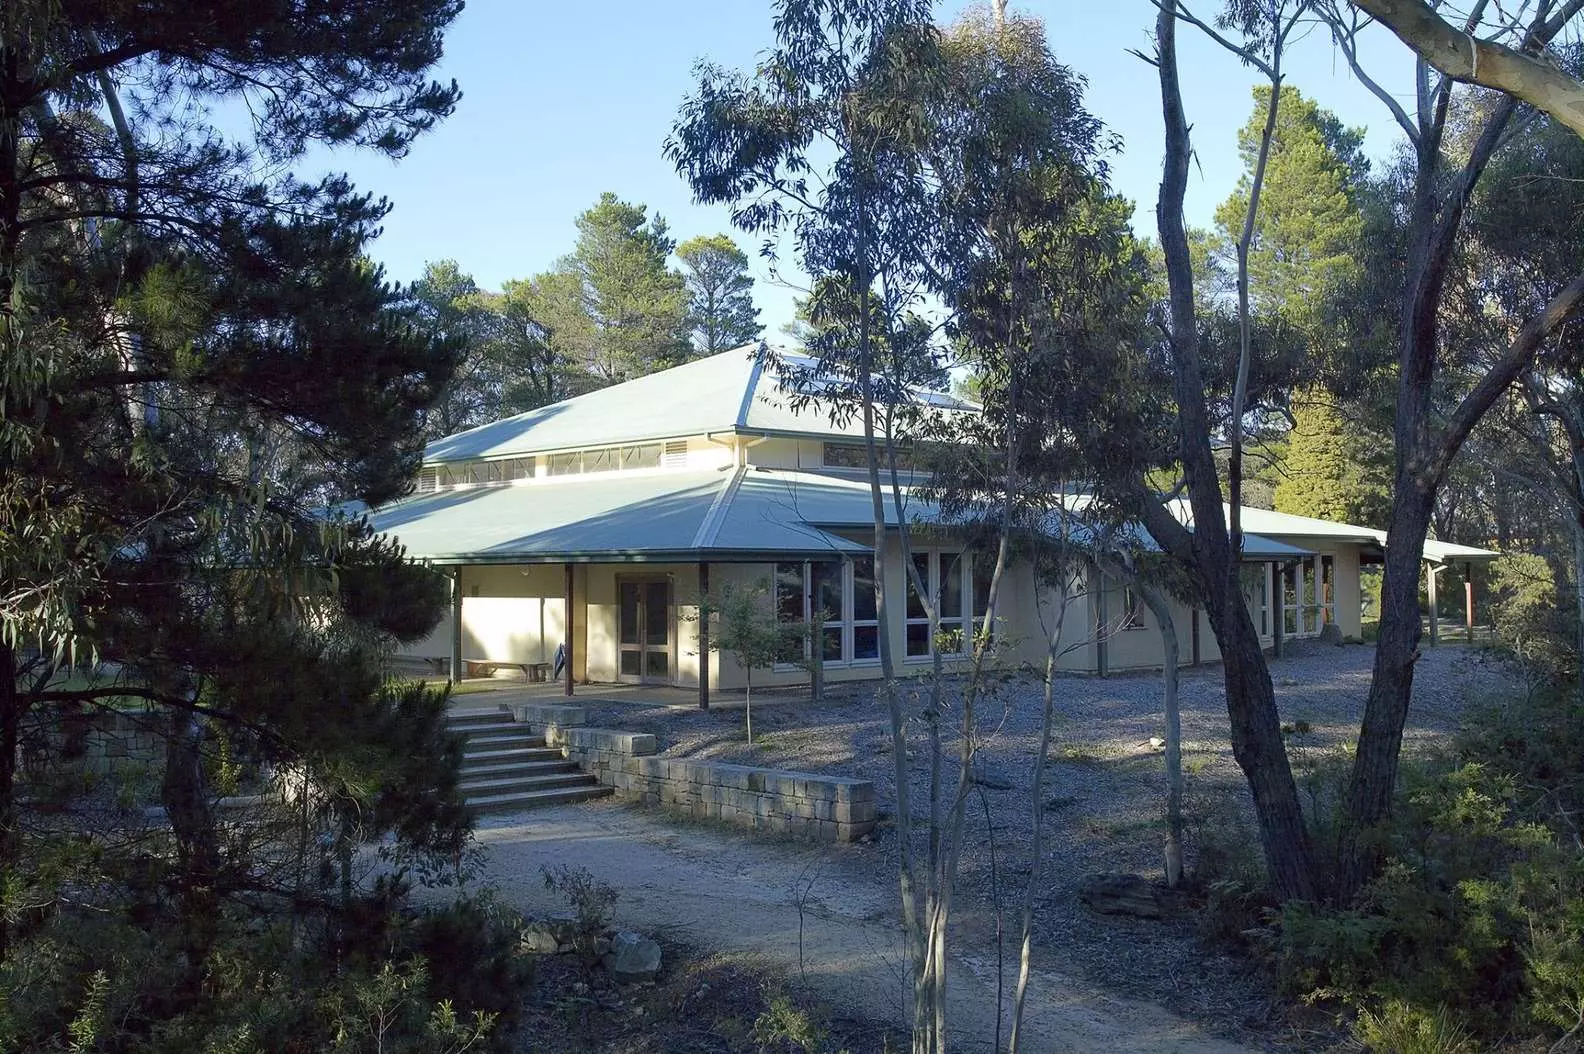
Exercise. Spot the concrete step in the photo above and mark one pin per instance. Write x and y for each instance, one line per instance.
(519, 768)
(472, 758)
(530, 799)
(481, 716)
(473, 789)
(497, 741)
(485, 728)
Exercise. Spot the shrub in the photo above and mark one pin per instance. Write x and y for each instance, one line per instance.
(1399, 1028)
(1481, 903)
(1529, 621)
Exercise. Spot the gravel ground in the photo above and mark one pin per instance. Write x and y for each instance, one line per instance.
(1105, 797)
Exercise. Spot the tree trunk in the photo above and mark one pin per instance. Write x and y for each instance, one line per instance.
(10, 728)
(1037, 848)
(1161, 608)
(1251, 701)
(1375, 766)
(192, 822)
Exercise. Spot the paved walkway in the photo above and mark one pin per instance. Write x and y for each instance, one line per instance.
(735, 894)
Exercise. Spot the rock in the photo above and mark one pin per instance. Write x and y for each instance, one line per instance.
(1120, 894)
(555, 935)
(1156, 742)
(992, 782)
(1331, 633)
(632, 957)
(536, 940)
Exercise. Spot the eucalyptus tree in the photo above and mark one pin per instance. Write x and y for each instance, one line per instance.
(820, 143)
(174, 304)
(1046, 291)
(448, 303)
(1444, 176)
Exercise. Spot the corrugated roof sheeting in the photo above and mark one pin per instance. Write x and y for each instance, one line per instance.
(665, 515)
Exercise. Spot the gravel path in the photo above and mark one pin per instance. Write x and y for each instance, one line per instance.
(1105, 798)
(822, 918)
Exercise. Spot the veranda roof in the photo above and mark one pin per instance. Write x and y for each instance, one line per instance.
(1285, 524)
(743, 514)
(664, 516)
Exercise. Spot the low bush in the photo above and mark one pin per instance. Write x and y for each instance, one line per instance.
(1474, 929)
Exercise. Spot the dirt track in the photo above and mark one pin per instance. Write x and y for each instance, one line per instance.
(732, 893)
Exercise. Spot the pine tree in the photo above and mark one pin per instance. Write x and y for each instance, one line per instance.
(1332, 471)
(196, 357)
(723, 315)
(638, 306)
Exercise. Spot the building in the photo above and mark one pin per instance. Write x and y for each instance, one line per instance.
(600, 520)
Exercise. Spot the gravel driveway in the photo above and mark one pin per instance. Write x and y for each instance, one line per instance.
(1105, 798)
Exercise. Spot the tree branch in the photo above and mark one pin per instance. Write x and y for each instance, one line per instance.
(1464, 57)
(1519, 354)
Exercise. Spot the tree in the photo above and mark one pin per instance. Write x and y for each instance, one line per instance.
(448, 304)
(1427, 437)
(542, 339)
(637, 305)
(720, 288)
(845, 82)
(1306, 232)
(1521, 72)
(179, 318)
(744, 625)
(1332, 469)
(1209, 553)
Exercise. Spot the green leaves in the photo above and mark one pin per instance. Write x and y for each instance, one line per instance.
(720, 289)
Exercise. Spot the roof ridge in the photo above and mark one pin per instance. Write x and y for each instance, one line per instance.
(710, 525)
(750, 390)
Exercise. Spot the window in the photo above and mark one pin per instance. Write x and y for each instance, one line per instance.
(825, 599)
(428, 480)
(942, 574)
(646, 455)
(855, 456)
(566, 464)
(845, 455)
(980, 571)
(1132, 609)
(791, 589)
(865, 624)
(841, 593)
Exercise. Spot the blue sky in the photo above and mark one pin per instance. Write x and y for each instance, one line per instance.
(562, 102)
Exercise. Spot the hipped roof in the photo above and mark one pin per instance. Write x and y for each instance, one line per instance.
(743, 515)
(734, 391)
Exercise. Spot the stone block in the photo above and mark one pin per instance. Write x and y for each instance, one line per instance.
(734, 776)
(592, 740)
(646, 768)
(854, 812)
(546, 715)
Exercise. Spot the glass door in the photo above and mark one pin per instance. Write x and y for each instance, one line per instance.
(644, 630)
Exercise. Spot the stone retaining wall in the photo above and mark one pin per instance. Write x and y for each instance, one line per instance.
(827, 808)
(104, 742)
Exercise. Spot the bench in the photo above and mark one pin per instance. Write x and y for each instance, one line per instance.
(532, 671)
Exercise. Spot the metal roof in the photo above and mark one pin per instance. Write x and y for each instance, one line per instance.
(729, 392)
(1287, 525)
(742, 514)
(616, 517)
